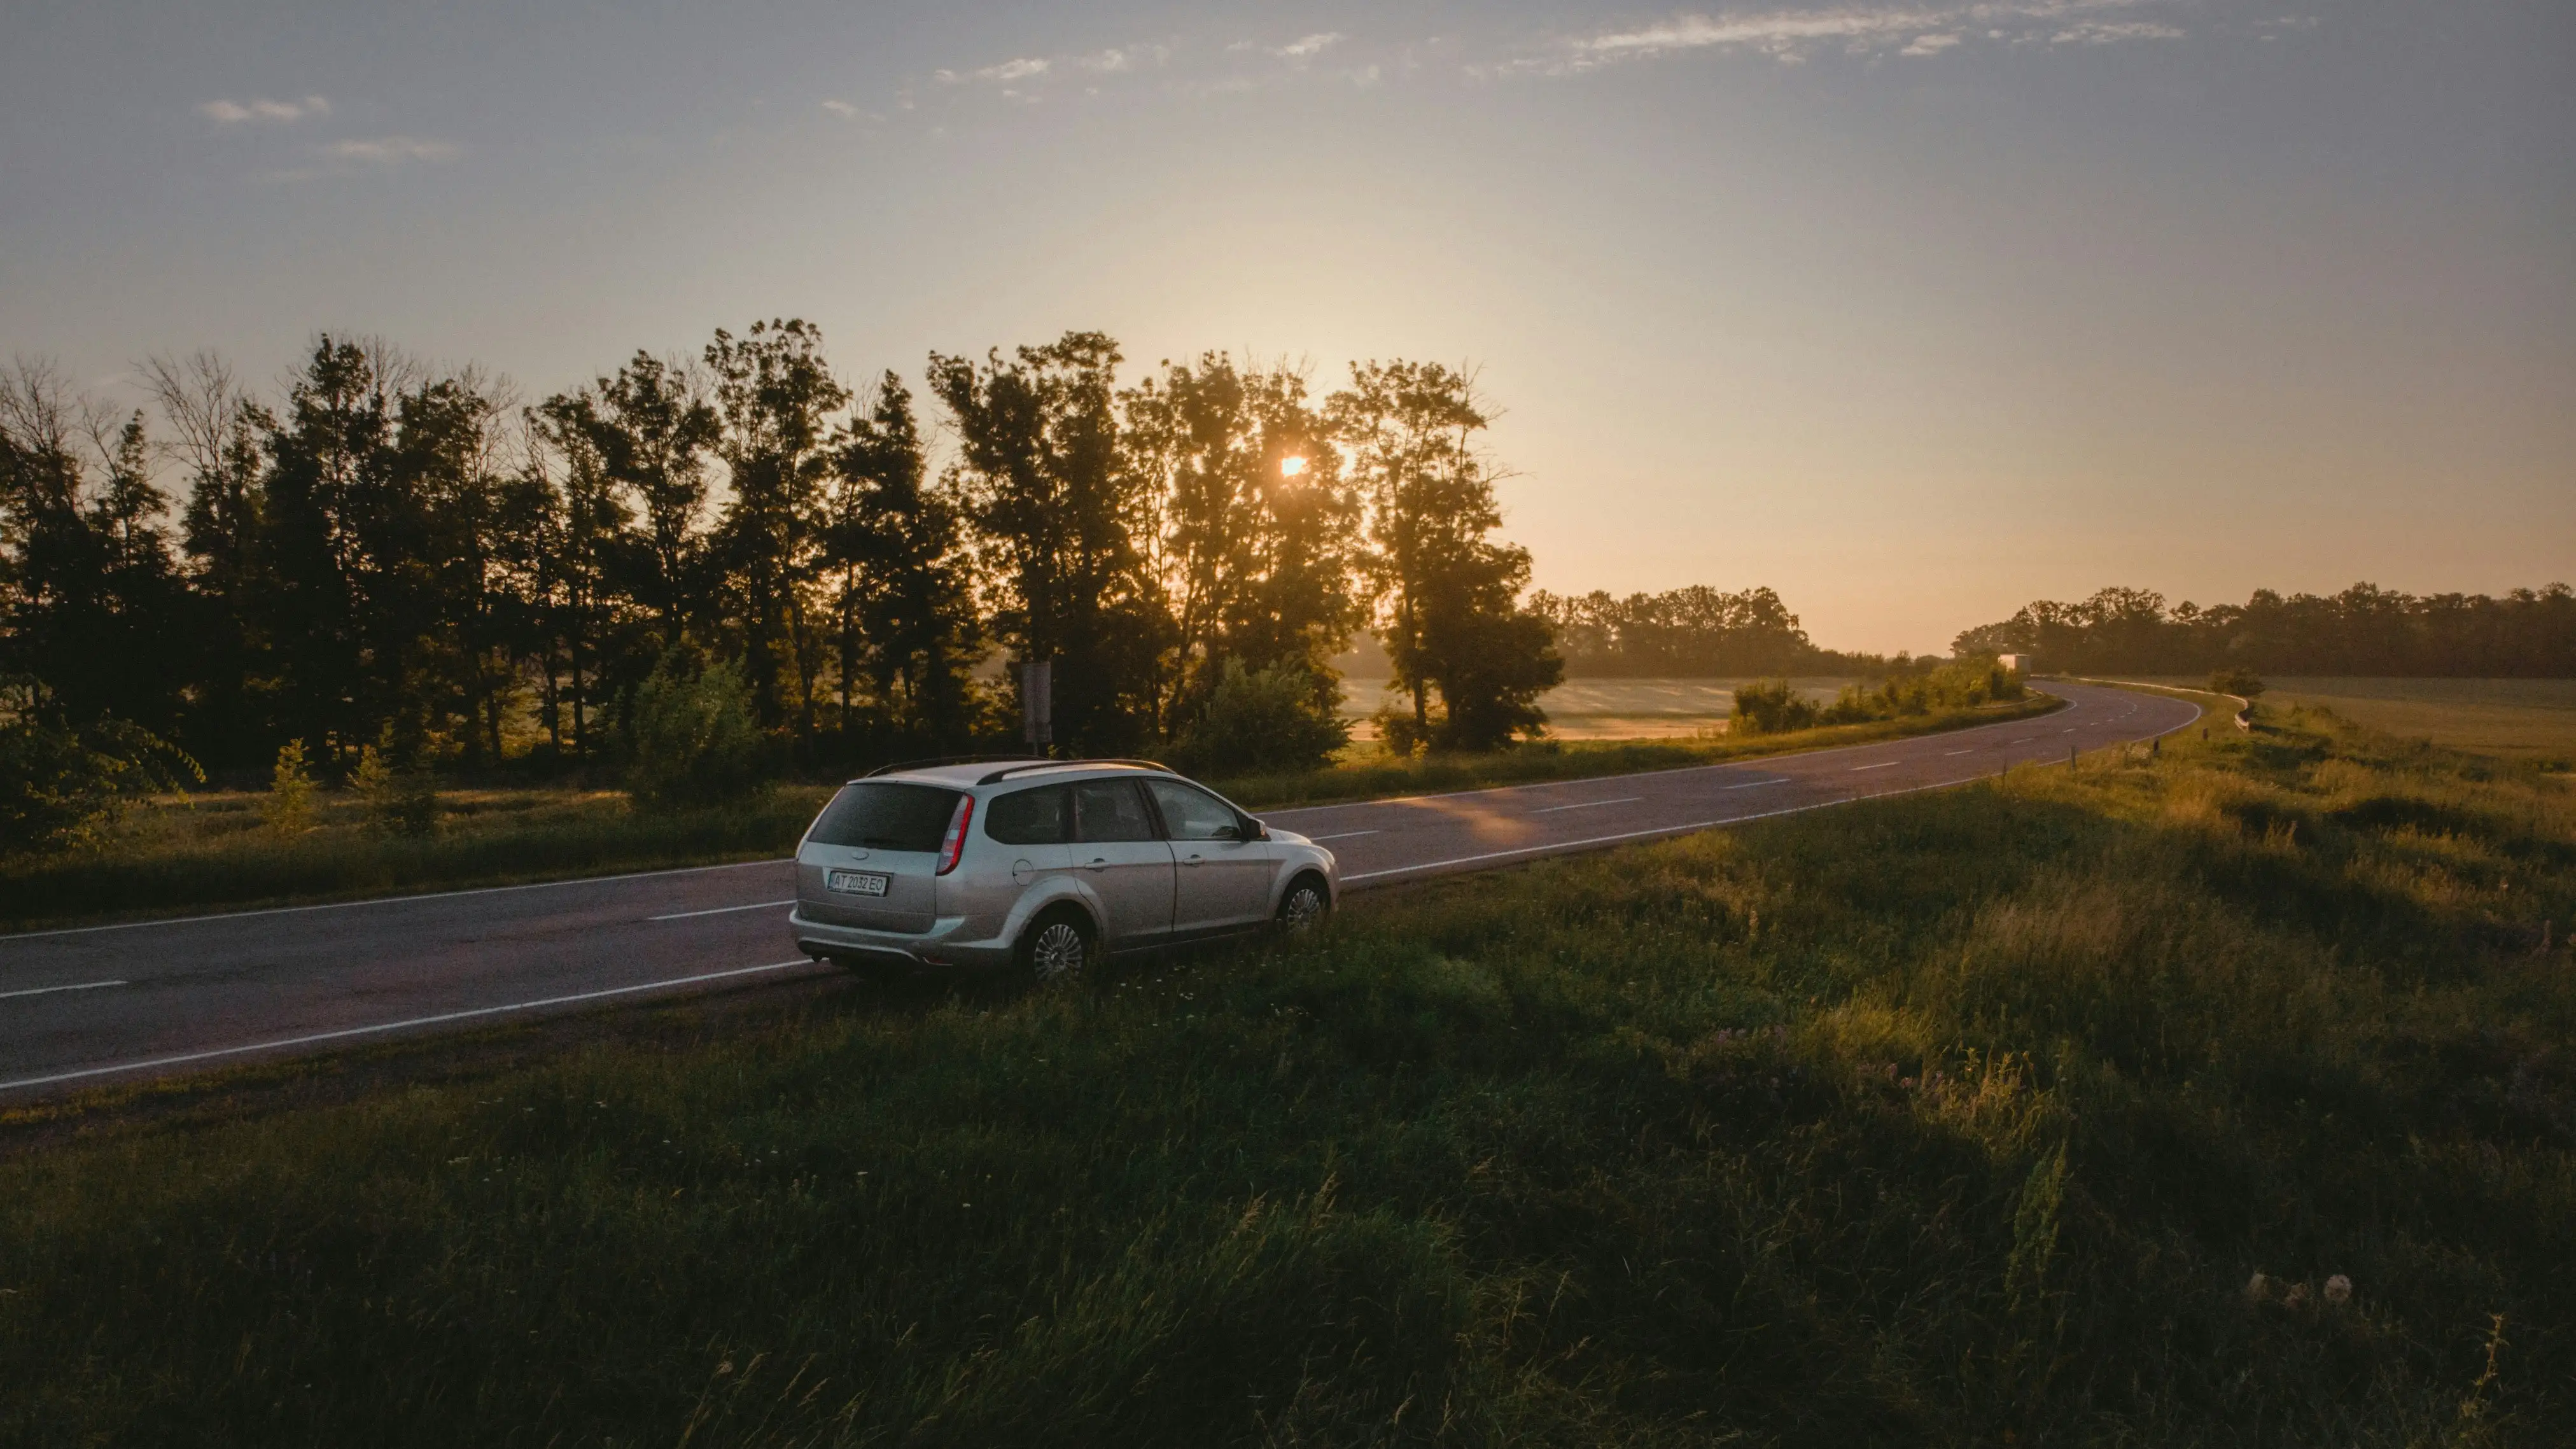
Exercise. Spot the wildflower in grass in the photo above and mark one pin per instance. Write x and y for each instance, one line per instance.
(2338, 1290)
(2258, 1287)
(2297, 1297)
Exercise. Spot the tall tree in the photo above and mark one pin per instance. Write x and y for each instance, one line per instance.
(774, 397)
(1255, 525)
(906, 599)
(1451, 618)
(1059, 517)
(217, 428)
(89, 597)
(653, 432)
(584, 553)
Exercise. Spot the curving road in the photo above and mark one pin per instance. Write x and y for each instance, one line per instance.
(100, 1004)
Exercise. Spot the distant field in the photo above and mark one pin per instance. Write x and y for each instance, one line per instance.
(2514, 718)
(1614, 709)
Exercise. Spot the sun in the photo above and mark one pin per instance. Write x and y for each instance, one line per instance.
(1291, 466)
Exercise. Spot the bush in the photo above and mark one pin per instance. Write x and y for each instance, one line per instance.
(398, 788)
(1272, 721)
(62, 787)
(289, 806)
(695, 738)
(2237, 681)
(1770, 707)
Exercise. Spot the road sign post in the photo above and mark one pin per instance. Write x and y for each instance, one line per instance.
(1037, 704)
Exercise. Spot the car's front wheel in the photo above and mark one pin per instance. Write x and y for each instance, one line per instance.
(1056, 946)
(1304, 907)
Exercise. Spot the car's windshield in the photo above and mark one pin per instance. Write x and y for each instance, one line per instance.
(882, 815)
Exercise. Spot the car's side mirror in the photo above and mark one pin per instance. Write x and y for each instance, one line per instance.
(1248, 828)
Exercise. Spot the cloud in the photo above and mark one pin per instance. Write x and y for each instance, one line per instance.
(842, 109)
(1306, 47)
(1003, 74)
(258, 108)
(389, 151)
(2097, 33)
(1111, 61)
(1790, 35)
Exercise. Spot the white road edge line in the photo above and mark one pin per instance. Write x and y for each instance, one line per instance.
(723, 910)
(1588, 804)
(1345, 835)
(1881, 765)
(1758, 784)
(1958, 752)
(534, 885)
(45, 990)
(1960, 733)
(344, 1033)
(1566, 845)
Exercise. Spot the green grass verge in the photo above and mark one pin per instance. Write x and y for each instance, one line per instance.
(213, 852)
(1952, 1119)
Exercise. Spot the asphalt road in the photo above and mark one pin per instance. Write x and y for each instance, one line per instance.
(91, 1006)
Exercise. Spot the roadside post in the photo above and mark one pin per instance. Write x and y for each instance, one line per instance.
(1037, 704)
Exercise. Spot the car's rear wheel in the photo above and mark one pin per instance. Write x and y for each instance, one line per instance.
(1305, 906)
(1056, 946)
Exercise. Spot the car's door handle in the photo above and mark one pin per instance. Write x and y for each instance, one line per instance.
(1101, 864)
(1194, 860)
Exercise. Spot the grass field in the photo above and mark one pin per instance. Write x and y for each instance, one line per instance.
(212, 850)
(1602, 709)
(2524, 719)
(1956, 1119)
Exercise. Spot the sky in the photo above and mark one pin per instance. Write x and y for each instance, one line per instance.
(1914, 312)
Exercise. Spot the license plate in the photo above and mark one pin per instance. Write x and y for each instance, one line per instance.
(857, 882)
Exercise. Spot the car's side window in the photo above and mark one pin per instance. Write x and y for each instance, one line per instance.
(1031, 817)
(1192, 814)
(1110, 810)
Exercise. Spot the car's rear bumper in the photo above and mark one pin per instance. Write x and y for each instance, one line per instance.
(936, 947)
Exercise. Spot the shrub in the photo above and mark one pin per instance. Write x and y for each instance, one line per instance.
(696, 741)
(398, 789)
(62, 787)
(1271, 721)
(2237, 680)
(289, 806)
(1770, 707)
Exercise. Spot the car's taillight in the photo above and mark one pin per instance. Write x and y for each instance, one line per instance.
(955, 845)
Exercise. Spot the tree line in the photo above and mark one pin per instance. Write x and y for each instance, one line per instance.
(1695, 632)
(420, 560)
(2365, 630)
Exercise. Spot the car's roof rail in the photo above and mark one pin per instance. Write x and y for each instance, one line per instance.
(1009, 770)
(935, 761)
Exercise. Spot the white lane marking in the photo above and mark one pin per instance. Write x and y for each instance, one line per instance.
(1588, 804)
(1344, 835)
(344, 1033)
(724, 910)
(1758, 784)
(1881, 765)
(534, 885)
(43, 990)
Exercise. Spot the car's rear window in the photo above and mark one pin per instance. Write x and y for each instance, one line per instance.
(883, 815)
(1030, 817)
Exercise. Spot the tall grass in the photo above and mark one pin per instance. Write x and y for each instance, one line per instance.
(216, 852)
(1961, 1119)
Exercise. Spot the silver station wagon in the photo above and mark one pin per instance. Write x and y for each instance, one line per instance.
(1043, 865)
